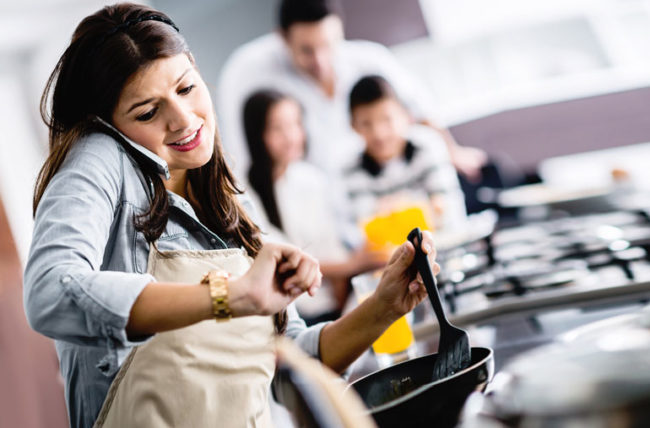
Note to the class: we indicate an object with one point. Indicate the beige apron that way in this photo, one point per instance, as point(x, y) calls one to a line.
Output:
point(206, 375)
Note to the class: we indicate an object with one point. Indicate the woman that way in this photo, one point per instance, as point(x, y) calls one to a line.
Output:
point(298, 200)
point(124, 233)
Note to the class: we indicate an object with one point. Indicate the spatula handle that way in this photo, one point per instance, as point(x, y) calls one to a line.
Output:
point(430, 283)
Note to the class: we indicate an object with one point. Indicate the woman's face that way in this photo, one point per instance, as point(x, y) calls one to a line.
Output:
point(166, 108)
point(284, 135)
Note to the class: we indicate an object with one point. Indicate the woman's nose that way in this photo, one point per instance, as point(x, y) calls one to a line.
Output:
point(180, 117)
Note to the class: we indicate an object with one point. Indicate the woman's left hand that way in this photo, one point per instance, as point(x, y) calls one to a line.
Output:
point(278, 275)
point(400, 288)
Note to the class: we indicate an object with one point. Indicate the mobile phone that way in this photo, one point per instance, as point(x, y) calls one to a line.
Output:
point(146, 155)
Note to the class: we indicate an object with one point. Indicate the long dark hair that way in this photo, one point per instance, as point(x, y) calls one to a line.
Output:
point(107, 48)
point(260, 174)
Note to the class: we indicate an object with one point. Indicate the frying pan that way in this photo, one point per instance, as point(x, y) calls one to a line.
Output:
point(404, 396)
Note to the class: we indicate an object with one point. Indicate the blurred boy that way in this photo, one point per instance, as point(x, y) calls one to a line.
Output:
point(402, 163)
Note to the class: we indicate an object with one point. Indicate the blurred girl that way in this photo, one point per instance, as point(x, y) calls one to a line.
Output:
point(298, 199)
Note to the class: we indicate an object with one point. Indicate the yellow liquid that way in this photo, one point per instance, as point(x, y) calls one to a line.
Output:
point(397, 338)
point(391, 230)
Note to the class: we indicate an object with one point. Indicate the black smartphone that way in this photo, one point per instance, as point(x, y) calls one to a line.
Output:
point(146, 155)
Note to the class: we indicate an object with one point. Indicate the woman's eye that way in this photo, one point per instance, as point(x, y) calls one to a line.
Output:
point(186, 90)
point(147, 116)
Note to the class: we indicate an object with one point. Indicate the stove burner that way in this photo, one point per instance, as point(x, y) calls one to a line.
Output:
point(519, 260)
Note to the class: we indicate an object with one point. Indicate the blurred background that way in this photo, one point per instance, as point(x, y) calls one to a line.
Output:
point(525, 80)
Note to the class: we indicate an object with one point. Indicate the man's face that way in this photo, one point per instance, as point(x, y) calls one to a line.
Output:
point(312, 46)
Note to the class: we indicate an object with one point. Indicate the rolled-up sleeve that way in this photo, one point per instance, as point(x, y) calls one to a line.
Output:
point(66, 295)
point(307, 338)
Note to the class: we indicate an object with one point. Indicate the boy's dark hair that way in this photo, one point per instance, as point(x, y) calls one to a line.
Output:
point(370, 89)
point(295, 11)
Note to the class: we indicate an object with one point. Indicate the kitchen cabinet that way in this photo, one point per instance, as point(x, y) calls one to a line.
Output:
point(535, 80)
point(484, 57)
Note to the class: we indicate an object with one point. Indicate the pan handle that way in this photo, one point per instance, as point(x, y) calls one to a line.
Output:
point(430, 283)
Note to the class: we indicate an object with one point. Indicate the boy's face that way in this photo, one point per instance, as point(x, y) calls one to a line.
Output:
point(383, 125)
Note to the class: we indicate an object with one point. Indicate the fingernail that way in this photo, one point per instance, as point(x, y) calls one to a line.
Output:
point(427, 248)
point(295, 291)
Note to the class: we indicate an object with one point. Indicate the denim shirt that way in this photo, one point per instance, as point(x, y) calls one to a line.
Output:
point(87, 265)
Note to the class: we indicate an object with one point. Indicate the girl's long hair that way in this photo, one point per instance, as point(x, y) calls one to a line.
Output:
point(107, 48)
point(260, 173)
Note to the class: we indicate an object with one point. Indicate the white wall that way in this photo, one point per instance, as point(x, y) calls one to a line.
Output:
point(214, 28)
point(33, 34)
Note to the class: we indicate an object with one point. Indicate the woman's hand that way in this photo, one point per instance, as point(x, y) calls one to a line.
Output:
point(400, 288)
point(279, 274)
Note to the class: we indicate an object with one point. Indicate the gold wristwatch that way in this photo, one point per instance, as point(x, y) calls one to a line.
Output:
point(217, 282)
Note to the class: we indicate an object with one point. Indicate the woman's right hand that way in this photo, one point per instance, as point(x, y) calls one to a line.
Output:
point(279, 274)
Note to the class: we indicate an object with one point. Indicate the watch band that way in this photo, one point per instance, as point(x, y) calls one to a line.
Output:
point(217, 282)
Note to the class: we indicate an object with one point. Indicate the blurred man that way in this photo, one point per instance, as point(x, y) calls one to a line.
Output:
point(309, 59)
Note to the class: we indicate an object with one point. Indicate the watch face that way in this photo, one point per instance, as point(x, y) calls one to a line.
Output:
point(214, 274)
point(217, 282)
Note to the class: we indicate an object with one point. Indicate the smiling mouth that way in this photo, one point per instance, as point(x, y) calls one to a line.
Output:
point(187, 139)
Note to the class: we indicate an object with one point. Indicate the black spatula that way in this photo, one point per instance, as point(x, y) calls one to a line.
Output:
point(454, 353)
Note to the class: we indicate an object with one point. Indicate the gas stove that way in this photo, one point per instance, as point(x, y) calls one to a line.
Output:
point(525, 259)
point(522, 284)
